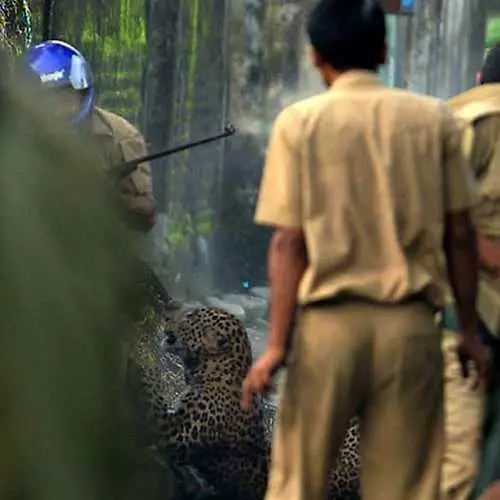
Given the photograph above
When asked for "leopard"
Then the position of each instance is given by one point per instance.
(208, 429)
(206, 426)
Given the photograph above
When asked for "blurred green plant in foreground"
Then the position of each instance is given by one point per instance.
(68, 298)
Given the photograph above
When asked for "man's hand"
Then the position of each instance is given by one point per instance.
(471, 349)
(141, 211)
(287, 261)
(259, 378)
(493, 492)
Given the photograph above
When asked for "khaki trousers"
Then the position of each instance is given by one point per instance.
(381, 362)
(463, 424)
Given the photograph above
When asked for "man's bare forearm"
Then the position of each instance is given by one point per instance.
(287, 262)
(462, 260)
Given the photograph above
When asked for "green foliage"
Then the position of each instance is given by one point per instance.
(112, 35)
(67, 298)
(204, 223)
(493, 32)
(180, 228)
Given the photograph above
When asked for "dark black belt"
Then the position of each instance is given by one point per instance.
(349, 298)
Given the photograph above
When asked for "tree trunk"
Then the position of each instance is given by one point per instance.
(199, 107)
(462, 46)
(447, 45)
(424, 49)
(162, 19)
(403, 25)
(254, 14)
(293, 17)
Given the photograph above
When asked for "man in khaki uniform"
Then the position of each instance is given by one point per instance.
(363, 184)
(480, 107)
(68, 82)
(66, 75)
(120, 141)
(464, 409)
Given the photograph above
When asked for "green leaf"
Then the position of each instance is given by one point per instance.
(493, 32)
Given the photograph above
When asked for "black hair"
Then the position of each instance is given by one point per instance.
(349, 34)
(490, 72)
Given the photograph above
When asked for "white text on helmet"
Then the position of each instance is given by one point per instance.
(52, 77)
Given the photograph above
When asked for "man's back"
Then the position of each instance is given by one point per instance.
(373, 190)
(368, 190)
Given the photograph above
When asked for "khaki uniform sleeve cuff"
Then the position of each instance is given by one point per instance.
(276, 221)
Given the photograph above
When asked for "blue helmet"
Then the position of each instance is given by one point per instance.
(58, 64)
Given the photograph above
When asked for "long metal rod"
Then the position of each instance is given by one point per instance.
(126, 168)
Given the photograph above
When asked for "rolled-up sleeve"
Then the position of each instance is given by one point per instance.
(486, 132)
(460, 189)
(280, 195)
(487, 213)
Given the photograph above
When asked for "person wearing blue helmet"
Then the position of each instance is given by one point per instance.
(67, 76)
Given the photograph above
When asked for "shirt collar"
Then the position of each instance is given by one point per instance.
(356, 79)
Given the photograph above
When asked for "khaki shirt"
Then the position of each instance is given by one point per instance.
(119, 141)
(368, 173)
(480, 107)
